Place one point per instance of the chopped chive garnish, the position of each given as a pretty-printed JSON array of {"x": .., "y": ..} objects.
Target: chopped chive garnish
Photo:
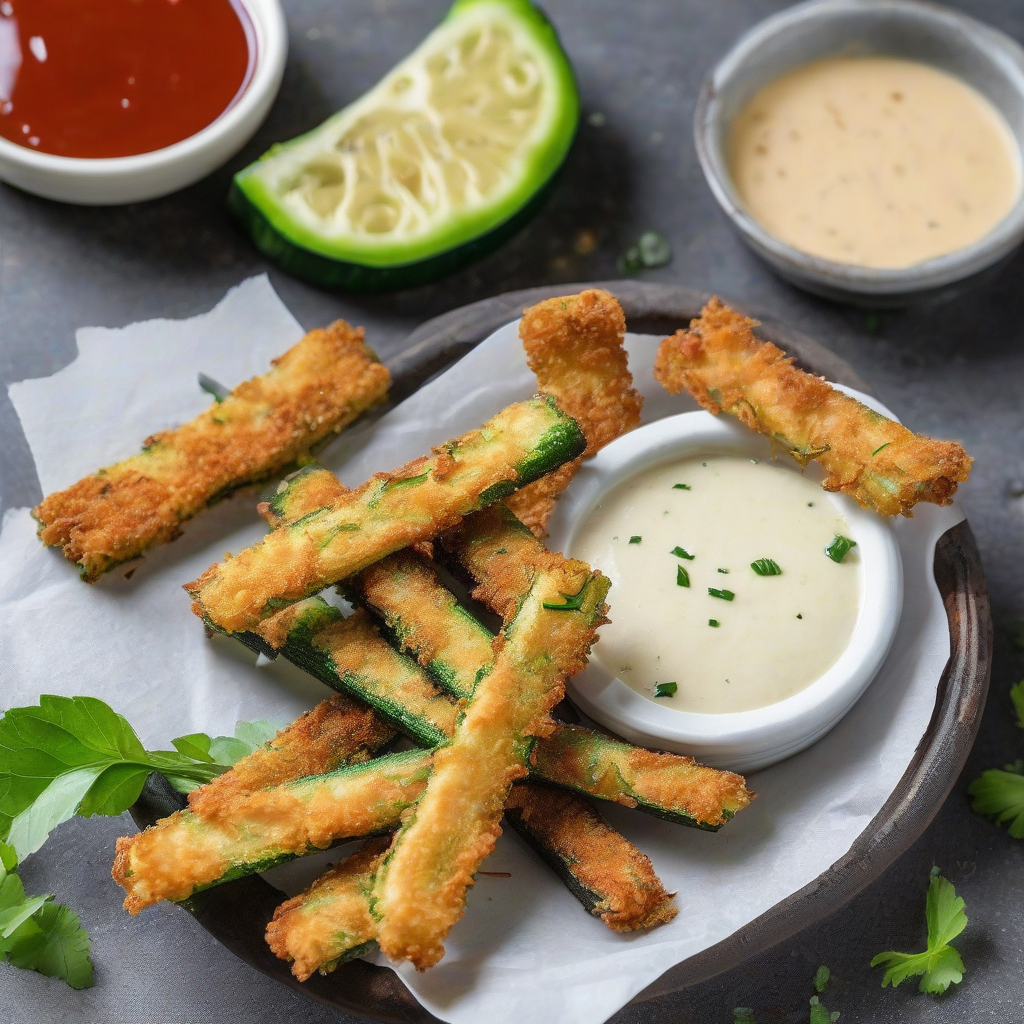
[
  {"x": 665, "y": 689},
  {"x": 635, "y": 539},
  {"x": 724, "y": 572},
  {"x": 714, "y": 622},
  {"x": 680, "y": 487},
  {"x": 881, "y": 446},
  {"x": 766, "y": 567},
  {"x": 725, "y": 595},
  {"x": 681, "y": 553},
  {"x": 682, "y": 577},
  {"x": 840, "y": 547}
]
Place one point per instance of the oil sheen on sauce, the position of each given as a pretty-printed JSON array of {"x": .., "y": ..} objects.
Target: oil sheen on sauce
[
  {"x": 778, "y": 633},
  {"x": 108, "y": 78},
  {"x": 874, "y": 161}
]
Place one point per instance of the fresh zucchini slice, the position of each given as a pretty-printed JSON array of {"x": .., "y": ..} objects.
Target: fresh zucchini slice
[
  {"x": 387, "y": 513},
  {"x": 437, "y": 164}
]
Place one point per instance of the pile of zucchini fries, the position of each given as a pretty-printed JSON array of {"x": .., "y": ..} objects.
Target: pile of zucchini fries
[{"x": 476, "y": 706}]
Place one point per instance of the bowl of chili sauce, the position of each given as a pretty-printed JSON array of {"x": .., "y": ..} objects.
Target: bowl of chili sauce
[{"x": 117, "y": 101}]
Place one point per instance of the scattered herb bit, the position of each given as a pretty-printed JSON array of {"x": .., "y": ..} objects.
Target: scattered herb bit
[
  {"x": 408, "y": 481},
  {"x": 820, "y": 1013},
  {"x": 939, "y": 965},
  {"x": 75, "y": 755},
  {"x": 725, "y": 572},
  {"x": 840, "y": 547},
  {"x": 880, "y": 447},
  {"x": 651, "y": 250},
  {"x": 681, "y": 487},
  {"x": 37, "y": 934},
  {"x": 635, "y": 539},
  {"x": 999, "y": 794},
  {"x": 704, "y": 464},
  {"x": 682, "y": 577},
  {"x": 1017, "y": 700},
  {"x": 214, "y": 388},
  {"x": 681, "y": 553},
  {"x": 725, "y": 595},
  {"x": 665, "y": 689},
  {"x": 573, "y": 602},
  {"x": 714, "y": 623},
  {"x": 821, "y": 976},
  {"x": 810, "y": 504},
  {"x": 798, "y": 615},
  {"x": 743, "y": 1015},
  {"x": 766, "y": 567}
]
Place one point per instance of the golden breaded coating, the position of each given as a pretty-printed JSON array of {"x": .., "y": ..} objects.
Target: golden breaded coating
[
  {"x": 331, "y": 921},
  {"x": 316, "y": 388},
  {"x": 337, "y": 731},
  {"x": 619, "y": 881},
  {"x": 389, "y": 512},
  {"x": 574, "y": 345},
  {"x": 421, "y": 888},
  {"x": 878, "y": 462}
]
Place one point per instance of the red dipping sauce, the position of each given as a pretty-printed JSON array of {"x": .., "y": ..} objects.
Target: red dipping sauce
[{"x": 103, "y": 78}]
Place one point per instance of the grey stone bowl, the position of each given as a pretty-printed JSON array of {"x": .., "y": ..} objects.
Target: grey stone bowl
[{"x": 985, "y": 58}]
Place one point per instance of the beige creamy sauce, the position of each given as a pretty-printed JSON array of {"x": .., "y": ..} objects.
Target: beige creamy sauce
[
  {"x": 775, "y": 637},
  {"x": 874, "y": 161}
]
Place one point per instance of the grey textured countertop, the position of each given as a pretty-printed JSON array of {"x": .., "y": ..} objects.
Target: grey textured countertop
[{"x": 954, "y": 370}]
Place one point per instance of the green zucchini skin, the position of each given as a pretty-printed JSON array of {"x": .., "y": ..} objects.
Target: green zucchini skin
[{"x": 338, "y": 275}]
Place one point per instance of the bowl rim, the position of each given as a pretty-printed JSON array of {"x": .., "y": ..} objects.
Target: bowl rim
[
  {"x": 741, "y": 740},
  {"x": 1003, "y": 53},
  {"x": 269, "y": 39}
]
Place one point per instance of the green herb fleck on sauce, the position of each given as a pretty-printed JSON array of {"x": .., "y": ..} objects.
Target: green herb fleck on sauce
[
  {"x": 682, "y": 577},
  {"x": 766, "y": 567},
  {"x": 840, "y": 547},
  {"x": 725, "y": 595},
  {"x": 665, "y": 689},
  {"x": 635, "y": 539},
  {"x": 680, "y": 487},
  {"x": 714, "y": 623},
  {"x": 681, "y": 553},
  {"x": 724, "y": 572}
]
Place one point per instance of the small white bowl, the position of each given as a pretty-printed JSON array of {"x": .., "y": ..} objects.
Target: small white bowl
[
  {"x": 131, "y": 179},
  {"x": 747, "y": 740}
]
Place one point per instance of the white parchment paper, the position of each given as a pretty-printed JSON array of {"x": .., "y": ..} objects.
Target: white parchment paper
[{"x": 524, "y": 950}]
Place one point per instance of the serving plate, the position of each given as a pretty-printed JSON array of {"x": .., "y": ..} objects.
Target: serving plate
[{"x": 236, "y": 913}]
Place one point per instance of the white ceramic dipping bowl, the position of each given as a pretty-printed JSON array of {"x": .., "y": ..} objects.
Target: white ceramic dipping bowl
[
  {"x": 131, "y": 179},
  {"x": 747, "y": 740}
]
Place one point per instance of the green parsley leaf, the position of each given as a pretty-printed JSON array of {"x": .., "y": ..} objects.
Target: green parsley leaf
[
  {"x": 681, "y": 553},
  {"x": 680, "y": 487},
  {"x": 999, "y": 795},
  {"x": 939, "y": 965},
  {"x": 725, "y": 595},
  {"x": 635, "y": 539},
  {"x": 714, "y": 623},
  {"x": 75, "y": 755},
  {"x": 665, "y": 689},
  {"x": 820, "y": 1013},
  {"x": 766, "y": 567},
  {"x": 682, "y": 577},
  {"x": 1017, "y": 700},
  {"x": 840, "y": 547},
  {"x": 821, "y": 977}
]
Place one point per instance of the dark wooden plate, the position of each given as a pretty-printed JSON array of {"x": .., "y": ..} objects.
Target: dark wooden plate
[{"x": 237, "y": 913}]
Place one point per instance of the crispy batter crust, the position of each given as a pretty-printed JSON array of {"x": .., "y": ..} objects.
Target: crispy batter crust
[
  {"x": 184, "y": 852},
  {"x": 337, "y": 731},
  {"x": 574, "y": 345},
  {"x": 620, "y": 880},
  {"x": 332, "y": 917},
  {"x": 875, "y": 460},
  {"x": 421, "y": 889},
  {"x": 629, "y": 775},
  {"x": 319, "y": 386},
  {"x": 389, "y": 512}
]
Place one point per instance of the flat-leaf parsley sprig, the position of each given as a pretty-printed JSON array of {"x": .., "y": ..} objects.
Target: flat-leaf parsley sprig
[
  {"x": 999, "y": 793},
  {"x": 939, "y": 966}
]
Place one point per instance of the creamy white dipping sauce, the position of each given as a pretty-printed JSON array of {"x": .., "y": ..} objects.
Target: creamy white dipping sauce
[
  {"x": 775, "y": 637},
  {"x": 874, "y": 161}
]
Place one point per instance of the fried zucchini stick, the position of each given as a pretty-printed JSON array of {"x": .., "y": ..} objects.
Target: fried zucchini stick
[
  {"x": 389, "y": 512},
  {"x": 573, "y": 344},
  {"x": 331, "y": 923},
  {"x": 878, "y": 462},
  {"x": 420, "y": 890},
  {"x": 316, "y": 388},
  {"x": 501, "y": 555}
]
